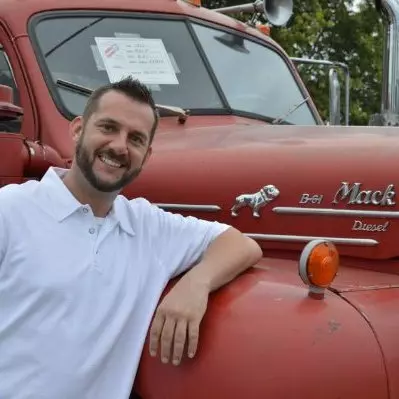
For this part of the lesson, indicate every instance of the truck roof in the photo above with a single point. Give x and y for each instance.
(16, 12)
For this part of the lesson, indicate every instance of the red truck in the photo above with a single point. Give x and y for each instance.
(240, 141)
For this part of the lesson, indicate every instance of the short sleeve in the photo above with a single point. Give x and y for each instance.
(182, 240)
(3, 238)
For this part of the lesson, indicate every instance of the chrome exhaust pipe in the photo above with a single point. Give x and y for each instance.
(390, 79)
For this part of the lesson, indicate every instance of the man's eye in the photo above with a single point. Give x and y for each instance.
(108, 128)
(137, 140)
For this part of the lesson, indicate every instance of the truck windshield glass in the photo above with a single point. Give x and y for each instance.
(254, 78)
(92, 51)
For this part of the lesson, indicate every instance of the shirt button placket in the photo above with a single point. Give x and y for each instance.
(94, 262)
(92, 231)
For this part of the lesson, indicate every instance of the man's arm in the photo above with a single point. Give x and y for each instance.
(226, 257)
(179, 315)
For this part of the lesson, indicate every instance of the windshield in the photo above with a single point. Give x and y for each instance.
(185, 64)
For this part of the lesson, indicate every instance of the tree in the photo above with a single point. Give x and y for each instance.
(332, 30)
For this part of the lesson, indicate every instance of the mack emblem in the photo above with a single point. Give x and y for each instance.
(355, 195)
(256, 201)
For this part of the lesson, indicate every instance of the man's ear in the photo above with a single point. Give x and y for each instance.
(76, 128)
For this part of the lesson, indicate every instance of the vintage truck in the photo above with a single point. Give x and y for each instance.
(240, 141)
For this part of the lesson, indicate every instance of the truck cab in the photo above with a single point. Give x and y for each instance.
(239, 141)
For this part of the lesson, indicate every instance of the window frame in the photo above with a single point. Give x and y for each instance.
(18, 122)
(188, 21)
(29, 127)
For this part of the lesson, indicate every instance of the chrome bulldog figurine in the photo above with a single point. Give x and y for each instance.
(256, 201)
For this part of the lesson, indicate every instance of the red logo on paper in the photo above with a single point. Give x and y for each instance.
(111, 50)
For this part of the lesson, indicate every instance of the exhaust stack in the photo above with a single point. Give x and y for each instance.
(390, 80)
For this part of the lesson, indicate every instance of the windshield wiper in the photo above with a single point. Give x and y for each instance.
(86, 91)
(283, 118)
(70, 37)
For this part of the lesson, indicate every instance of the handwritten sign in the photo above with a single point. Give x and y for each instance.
(144, 59)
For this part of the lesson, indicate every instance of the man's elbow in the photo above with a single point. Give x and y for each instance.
(249, 247)
(241, 247)
(255, 252)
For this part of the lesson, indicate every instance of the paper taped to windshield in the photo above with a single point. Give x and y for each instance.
(144, 59)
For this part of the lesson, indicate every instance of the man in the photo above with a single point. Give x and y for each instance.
(82, 268)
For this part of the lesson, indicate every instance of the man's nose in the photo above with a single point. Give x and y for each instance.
(119, 143)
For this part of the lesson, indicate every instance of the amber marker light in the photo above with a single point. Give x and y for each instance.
(263, 29)
(318, 266)
(196, 3)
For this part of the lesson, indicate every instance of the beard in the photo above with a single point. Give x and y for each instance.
(85, 164)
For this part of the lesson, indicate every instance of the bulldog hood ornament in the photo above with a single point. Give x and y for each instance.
(256, 201)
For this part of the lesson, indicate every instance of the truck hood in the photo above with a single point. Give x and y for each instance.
(263, 337)
(329, 182)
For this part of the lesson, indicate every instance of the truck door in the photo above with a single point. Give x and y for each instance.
(13, 152)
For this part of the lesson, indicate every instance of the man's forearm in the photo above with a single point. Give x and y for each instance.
(178, 317)
(228, 256)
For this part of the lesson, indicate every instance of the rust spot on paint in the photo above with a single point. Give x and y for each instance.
(333, 326)
(321, 333)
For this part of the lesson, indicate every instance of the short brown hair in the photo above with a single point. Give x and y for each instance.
(128, 86)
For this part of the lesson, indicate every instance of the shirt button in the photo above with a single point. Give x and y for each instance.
(92, 230)
(85, 210)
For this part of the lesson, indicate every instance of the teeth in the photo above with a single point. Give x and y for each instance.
(110, 162)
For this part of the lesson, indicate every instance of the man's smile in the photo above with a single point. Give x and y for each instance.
(110, 161)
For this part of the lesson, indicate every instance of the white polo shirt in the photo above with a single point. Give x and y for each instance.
(76, 302)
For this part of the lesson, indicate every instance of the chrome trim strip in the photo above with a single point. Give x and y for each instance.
(189, 207)
(334, 212)
(365, 242)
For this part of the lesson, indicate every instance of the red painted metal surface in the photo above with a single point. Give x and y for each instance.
(13, 157)
(350, 279)
(226, 162)
(264, 338)
(380, 308)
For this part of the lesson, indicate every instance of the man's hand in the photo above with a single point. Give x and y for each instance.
(178, 319)
(179, 315)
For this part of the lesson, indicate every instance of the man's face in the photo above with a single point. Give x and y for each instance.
(114, 144)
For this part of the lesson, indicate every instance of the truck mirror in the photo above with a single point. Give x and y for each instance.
(335, 97)
(8, 110)
(234, 42)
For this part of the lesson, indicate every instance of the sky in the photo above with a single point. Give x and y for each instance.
(356, 4)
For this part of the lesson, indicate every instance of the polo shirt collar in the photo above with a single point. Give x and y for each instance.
(61, 203)
(120, 213)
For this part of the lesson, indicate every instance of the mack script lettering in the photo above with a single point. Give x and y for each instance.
(354, 195)
(360, 226)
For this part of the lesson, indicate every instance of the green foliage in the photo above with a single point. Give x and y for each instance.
(332, 30)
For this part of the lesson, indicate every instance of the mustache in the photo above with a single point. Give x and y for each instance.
(111, 154)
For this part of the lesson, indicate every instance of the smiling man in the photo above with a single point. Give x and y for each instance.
(113, 142)
(82, 268)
